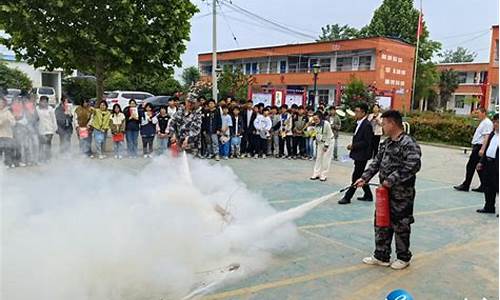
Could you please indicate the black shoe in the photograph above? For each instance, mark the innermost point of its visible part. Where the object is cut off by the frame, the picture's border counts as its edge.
(344, 201)
(478, 190)
(314, 178)
(461, 188)
(484, 211)
(364, 198)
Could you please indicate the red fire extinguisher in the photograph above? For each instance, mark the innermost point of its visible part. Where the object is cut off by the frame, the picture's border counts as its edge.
(174, 149)
(382, 207)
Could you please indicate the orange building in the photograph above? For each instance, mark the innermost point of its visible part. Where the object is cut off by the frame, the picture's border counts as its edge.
(477, 81)
(284, 74)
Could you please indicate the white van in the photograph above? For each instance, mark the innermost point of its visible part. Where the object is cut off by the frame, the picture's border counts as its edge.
(47, 91)
(123, 97)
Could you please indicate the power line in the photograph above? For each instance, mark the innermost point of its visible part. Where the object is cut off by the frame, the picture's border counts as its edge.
(468, 40)
(228, 25)
(273, 23)
(461, 35)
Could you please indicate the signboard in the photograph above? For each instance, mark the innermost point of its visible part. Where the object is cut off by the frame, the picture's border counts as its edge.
(263, 98)
(278, 98)
(294, 99)
(384, 102)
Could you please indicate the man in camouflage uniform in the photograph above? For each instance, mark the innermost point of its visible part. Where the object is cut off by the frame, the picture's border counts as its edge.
(397, 163)
(185, 127)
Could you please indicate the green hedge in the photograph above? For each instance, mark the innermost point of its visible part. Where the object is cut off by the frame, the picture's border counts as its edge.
(443, 128)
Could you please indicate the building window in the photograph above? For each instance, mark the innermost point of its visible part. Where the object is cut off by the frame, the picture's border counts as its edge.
(495, 54)
(248, 68)
(395, 58)
(462, 77)
(388, 69)
(344, 63)
(365, 63)
(293, 63)
(283, 66)
(323, 95)
(273, 67)
(403, 72)
(303, 65)
(459, 101)
(263, 67)
(206, 70)
(387, 81)
(402, 83)
(493, 98)
(400, 59)
(384, 56)
(325, 64)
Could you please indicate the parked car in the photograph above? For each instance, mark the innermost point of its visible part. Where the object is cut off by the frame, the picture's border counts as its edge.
(47, 91)
(11, 94)
(123, 97)
(157, 101)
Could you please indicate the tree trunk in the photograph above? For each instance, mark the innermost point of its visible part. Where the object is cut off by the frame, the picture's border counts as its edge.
(99, 74)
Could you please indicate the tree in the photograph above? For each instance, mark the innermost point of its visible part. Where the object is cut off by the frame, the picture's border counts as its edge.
(79, 89)
(153, 83)
(190, 76)
(233, 83)
(140, 36)
(458, 55)
(14, 78)
(356, 91)
(448, 83)
(336, 32)
(399, 19)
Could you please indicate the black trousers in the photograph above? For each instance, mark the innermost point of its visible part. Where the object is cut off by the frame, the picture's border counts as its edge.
(471, 167)
(299, 146)
(246, 143)
(359, 168)
(375, 144)
(490, 184)
(288, 141)
(262, 145)
(147, 144)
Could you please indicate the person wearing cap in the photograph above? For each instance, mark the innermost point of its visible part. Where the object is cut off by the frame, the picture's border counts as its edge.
(397, 162)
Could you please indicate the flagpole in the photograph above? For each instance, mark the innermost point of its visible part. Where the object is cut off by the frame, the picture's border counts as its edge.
(419, 31)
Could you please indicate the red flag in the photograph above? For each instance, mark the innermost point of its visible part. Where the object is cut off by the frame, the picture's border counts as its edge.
(420, 27)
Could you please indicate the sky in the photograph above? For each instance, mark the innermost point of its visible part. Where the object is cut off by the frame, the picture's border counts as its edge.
(455, 23)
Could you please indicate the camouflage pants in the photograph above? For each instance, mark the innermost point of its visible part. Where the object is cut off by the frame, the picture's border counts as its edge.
(401, 202)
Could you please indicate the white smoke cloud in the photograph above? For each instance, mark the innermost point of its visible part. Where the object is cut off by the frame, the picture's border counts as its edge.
(80, 229)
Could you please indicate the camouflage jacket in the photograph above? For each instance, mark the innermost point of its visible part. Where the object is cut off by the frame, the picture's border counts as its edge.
(336, 124)
(397, 161)
(186, 124)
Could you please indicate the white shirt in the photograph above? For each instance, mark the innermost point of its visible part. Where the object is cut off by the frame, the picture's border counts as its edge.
(484, 128)
(249, 116)
(359, 124)
(491, 152)
(171, 111)
(262, 123)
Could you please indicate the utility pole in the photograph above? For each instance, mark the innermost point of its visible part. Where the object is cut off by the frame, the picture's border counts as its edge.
(214, 50)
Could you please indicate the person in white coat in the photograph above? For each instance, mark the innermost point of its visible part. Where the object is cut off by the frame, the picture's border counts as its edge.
(324, 138)
(47, 127)
(262, 126)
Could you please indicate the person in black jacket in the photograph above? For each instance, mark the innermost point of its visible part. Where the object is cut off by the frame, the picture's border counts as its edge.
(489, 165)
(236, 133)
(211, 126)
(361, 152)
(248, 116)
(132, 126)
(64, 120)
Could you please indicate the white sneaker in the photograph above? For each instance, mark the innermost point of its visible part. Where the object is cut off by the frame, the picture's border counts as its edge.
(120, 157)
(101, 156)
(399, 264)
(256, 156)
(373, 261)
(22, 164)
(145, 156)
(264, 156)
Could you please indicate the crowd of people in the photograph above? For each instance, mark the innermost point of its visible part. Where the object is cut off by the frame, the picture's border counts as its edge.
(205, 128)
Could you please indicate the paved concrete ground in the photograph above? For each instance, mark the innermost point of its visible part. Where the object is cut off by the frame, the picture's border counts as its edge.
(455, 249)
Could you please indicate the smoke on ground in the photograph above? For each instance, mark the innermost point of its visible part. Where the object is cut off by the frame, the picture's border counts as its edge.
(80, 229)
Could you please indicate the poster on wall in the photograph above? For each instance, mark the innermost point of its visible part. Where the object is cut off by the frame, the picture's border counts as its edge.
(294, 99)
(384, 102)
(263, 98)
